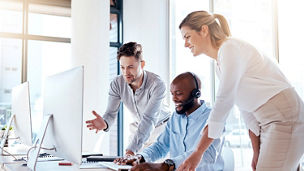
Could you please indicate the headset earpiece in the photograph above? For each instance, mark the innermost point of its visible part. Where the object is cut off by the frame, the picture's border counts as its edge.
(196, 93)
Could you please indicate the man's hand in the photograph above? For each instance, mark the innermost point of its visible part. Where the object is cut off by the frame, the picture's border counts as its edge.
(98, 123)
(129, 152)
(151, 167)
(128, 160)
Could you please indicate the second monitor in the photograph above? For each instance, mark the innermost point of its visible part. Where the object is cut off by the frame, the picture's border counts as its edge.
(63, 108)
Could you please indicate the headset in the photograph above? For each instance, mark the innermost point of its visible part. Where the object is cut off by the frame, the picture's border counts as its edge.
(195, 93)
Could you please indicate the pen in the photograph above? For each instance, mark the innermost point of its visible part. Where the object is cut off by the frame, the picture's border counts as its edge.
(64, 164)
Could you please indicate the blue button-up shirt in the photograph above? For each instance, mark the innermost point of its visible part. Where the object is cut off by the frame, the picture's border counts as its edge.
(180, 139)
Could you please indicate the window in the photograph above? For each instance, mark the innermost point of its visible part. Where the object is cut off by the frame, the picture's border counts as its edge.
(10, 54)
(44, 59)
(290, 45)
(182, 60)
(34, 43)
(250, 21)
(10, 74)
(10, 17)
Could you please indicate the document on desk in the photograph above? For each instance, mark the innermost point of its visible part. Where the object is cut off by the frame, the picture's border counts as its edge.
(114, 166)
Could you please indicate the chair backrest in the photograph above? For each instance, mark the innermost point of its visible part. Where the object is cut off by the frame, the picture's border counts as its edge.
(228, 157)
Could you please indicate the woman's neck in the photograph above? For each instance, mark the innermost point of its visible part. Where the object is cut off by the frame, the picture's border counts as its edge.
(213, 53)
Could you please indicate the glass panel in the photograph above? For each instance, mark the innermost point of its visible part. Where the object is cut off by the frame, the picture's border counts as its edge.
(113, 63)
(252, 22)
(10, 73)
(44, 59)
(113, 74)
(10, 17)
(291, 44)
(113, 28)
(49, 25)
(182, 58)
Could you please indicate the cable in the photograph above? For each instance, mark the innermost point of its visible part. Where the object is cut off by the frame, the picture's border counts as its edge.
(27, 154)
(27, 151)
(9, 153)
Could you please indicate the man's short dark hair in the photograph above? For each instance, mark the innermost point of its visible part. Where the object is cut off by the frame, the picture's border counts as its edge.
(130, 49)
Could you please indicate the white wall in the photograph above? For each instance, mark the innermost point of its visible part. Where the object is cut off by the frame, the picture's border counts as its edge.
(147, 22)
(90, 47)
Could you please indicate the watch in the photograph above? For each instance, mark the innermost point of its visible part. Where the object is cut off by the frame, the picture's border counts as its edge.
(170, 163)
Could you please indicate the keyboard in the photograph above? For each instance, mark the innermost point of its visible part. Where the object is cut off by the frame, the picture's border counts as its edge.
(91, 165)
(114, 166)
(102, 158)
(49, 158)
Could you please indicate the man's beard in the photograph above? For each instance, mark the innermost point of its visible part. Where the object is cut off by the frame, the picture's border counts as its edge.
(134, 79)
(188, 104)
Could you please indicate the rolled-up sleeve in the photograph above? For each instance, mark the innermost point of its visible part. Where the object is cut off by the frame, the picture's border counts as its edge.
(232, 67)
(149, 117)
(113, 103)
(251, 122)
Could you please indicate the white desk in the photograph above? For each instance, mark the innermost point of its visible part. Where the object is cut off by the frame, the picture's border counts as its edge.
(47, 166)
(7, 165)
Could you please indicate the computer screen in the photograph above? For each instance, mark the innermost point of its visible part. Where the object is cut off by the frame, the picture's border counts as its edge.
(63, 99)
(21, 116)
(22, 124)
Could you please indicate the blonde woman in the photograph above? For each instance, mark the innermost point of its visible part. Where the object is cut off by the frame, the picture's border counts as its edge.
(271, 108)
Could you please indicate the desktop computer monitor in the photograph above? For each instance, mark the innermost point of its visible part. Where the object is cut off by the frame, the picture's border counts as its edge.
(21, 116)
(63, 99)
(21, 109)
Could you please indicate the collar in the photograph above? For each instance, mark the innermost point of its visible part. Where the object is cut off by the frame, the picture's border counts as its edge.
(144, 81)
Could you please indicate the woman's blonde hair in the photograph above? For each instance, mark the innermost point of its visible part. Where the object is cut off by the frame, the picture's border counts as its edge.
(219, 32)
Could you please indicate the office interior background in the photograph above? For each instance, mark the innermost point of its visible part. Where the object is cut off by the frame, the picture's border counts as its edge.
(39, 38)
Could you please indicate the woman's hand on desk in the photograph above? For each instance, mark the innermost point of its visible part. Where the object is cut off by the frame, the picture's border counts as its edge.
(98, 123)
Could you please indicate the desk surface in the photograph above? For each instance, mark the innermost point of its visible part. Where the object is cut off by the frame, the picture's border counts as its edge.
(46, 166)
(7, 164)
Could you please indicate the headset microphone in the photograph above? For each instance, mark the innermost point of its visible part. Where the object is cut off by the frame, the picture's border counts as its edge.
(195, 93)
(186, 105)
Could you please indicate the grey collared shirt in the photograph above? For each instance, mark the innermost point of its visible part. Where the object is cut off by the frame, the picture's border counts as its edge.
(146, 105)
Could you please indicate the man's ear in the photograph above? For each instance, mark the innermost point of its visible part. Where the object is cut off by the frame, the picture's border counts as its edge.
(142, 63)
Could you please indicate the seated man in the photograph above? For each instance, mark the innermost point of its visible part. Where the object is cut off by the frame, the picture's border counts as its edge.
(182, 132)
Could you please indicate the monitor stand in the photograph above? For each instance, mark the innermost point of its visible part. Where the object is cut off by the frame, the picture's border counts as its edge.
(5, 135)
(33, 154)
